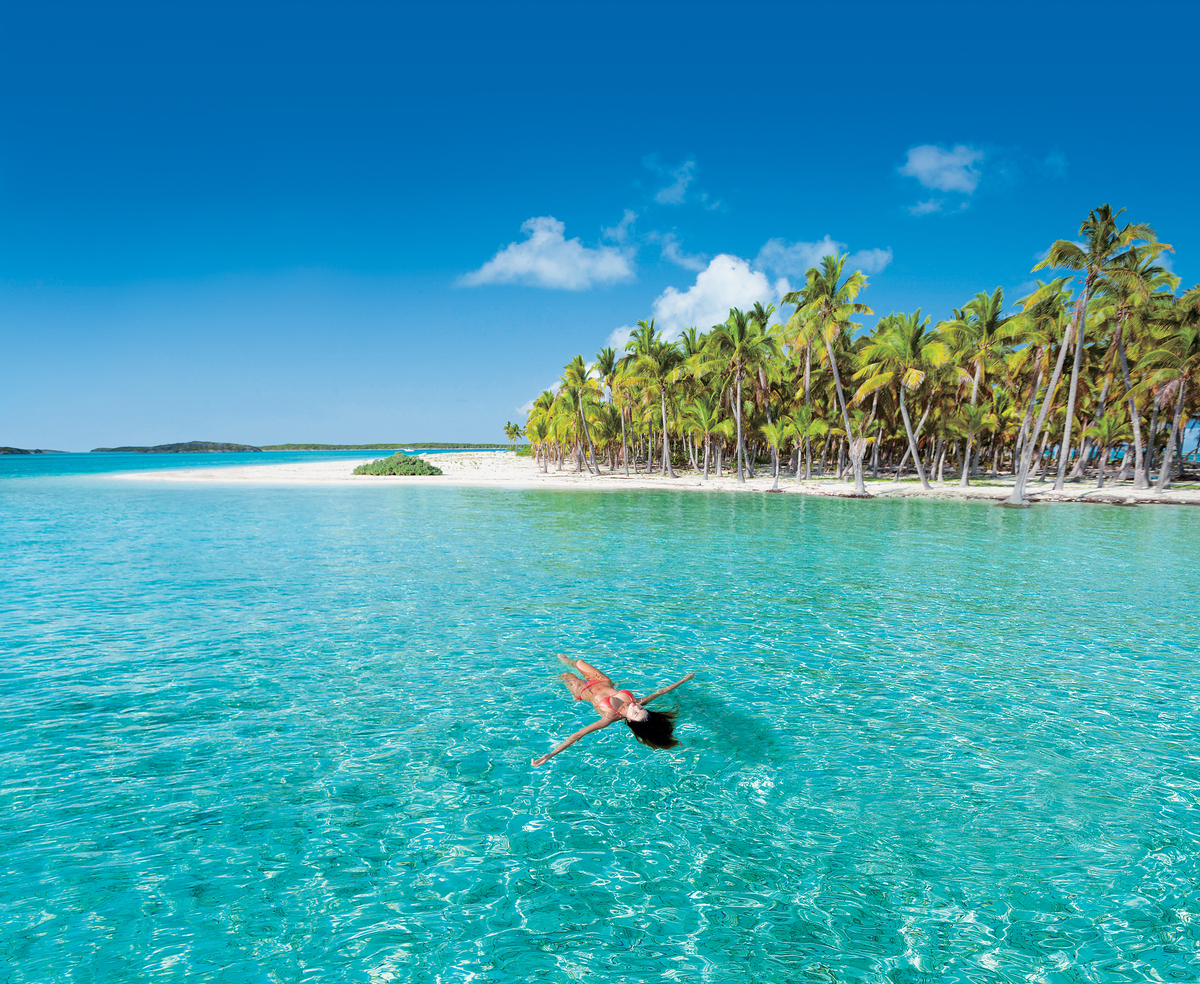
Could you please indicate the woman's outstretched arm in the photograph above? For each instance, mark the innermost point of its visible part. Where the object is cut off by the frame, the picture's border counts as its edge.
(594, 726)
(665, 690)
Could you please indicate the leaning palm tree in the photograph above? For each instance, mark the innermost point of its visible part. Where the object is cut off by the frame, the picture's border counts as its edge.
(901, 355)
(830, 302)
(1045, 320)
(1102, 248)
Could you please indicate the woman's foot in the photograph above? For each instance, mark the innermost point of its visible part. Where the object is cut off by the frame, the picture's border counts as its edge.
(569, 662)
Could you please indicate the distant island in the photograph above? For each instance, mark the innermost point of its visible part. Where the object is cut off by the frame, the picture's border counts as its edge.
(188, 447)
(398, 445)
(28, 451)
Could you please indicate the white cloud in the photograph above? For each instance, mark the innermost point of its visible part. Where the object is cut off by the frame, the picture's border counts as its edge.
(676, 192)
(924, 208)
(944, 170)
(547, 259)
(620, 232)
(1055, 164)
(619, 336)
(528, 404)
(728, 281)
(672, 252)
(796, 258)
(869, 260)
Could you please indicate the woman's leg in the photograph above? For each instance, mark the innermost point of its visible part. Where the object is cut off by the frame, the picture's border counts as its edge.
(589, 672)
(574, 684)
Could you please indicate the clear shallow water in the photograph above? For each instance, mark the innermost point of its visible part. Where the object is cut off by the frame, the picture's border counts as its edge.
(283, 734)
(58, 464)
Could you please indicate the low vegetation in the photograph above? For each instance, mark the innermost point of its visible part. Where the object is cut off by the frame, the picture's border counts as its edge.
(398, 464)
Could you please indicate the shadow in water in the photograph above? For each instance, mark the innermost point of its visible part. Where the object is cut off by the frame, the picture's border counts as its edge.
(735, 731)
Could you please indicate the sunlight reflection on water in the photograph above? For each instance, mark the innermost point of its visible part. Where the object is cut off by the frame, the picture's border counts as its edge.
(270, 734)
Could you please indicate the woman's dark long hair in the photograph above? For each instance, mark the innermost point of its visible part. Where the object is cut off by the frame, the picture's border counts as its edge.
(657, 731)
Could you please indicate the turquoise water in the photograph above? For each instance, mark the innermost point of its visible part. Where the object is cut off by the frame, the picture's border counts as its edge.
(47, 465)
(283, 734)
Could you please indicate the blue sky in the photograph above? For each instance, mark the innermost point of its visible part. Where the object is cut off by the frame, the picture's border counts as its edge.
(360, 223)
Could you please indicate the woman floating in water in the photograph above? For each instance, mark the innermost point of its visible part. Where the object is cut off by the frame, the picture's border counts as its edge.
(653, 728)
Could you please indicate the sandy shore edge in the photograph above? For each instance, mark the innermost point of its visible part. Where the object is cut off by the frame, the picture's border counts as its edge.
(503, 469)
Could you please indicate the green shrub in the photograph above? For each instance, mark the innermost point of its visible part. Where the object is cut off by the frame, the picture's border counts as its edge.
(398, 464)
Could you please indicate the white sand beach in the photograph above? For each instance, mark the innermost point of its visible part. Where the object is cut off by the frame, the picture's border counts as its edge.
(504, 469)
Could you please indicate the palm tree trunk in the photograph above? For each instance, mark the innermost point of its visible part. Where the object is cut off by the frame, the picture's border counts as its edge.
(624, 444)
(1017, 498)
(1150, 442)
(1103, 461)
(592, 466)
(667, 467)
(707, 445)
(1023, 437)
(912, 441)
(1164, 470)
(720, 454)
(860, 487)
(1080, 328)
(741, 477)
(1123, 472)
(1139, 475)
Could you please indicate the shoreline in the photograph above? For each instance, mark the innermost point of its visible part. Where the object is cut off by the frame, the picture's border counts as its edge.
(503, 469)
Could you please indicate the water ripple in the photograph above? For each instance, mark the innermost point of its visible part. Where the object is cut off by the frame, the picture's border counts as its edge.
(284, 735)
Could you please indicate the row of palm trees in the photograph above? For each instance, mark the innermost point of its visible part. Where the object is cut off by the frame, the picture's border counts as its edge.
(983, 386)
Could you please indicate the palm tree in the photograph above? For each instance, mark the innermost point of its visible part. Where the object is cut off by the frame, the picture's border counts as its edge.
(1174, 364)
(737, 348)
(656, 363)
(620, 386)
(803, 426)
(513, 433)
(705, 416)
(1133, 280)
(578, 383)
(1108, 430)
(829, 302)
(799, 334)
(776, 433)
(1044, 312)
(901, 353)
(977, 331)
(1103, 246)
